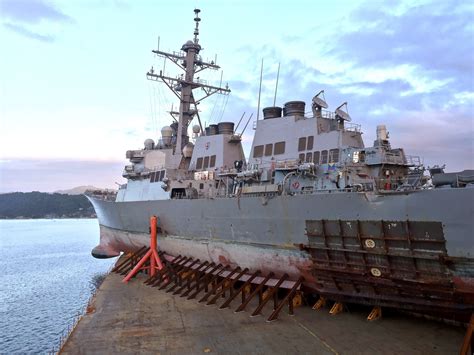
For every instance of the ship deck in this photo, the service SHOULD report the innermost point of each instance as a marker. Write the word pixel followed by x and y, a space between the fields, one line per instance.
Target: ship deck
pixel 135 318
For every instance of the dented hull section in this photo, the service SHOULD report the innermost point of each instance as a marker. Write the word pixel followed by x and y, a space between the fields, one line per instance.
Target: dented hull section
pixel 290 261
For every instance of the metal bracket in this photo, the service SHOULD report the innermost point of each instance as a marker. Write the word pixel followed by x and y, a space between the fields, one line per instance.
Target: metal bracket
pixel 375 314
pixel 337 308
pixel 320 303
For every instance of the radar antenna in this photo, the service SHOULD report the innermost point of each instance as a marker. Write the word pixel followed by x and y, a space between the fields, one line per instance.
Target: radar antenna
pixel 189 60
pixel 196 29
pixel 342 115
pixel 319 102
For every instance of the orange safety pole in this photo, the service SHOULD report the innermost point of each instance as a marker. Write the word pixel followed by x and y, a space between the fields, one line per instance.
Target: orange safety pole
pixel 152 253
pixel 469 338
pixel 138 266
pixel 155 260
pixel 153 223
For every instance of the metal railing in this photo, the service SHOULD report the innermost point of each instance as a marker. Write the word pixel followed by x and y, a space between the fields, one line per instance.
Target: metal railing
pixel 352 127
pixel 106 195
pixel 328 114
pixel 413 160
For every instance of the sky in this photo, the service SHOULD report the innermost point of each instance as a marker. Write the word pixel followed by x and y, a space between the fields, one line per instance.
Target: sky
pixel 74 95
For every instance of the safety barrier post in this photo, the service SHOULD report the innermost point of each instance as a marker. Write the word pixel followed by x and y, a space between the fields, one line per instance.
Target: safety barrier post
pixel 152 254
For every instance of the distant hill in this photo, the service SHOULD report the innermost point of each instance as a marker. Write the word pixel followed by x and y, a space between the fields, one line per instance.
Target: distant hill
pixel 44 205
pixel 78 190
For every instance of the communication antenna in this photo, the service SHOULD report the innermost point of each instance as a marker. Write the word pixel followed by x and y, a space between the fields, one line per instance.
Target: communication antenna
pixel 260 90
pixel 342 115
pixel 196 29
pixel 197 113
pixel 182 86
pixel 276 86
pixel 320 101
pixel 238 124
pixel 220 82
pixel 246 125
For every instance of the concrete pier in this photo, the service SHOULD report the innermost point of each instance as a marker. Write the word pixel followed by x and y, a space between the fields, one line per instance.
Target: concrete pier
pixel 134 318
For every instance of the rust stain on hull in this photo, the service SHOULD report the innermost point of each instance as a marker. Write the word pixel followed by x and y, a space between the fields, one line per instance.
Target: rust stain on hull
pixel 399 264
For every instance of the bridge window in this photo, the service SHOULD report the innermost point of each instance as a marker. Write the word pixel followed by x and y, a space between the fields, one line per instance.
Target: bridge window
pixel 310 143
pixel 212 163
pixel 199 164
pixel 324 157
pixel 268 150
pixel 206 163
pixel 258 151
pixel 302 144
pixel 334 155
pixel 316 158
pixel 279 148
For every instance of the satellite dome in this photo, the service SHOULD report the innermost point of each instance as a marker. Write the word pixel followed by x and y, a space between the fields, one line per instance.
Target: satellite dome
pixel 166 131
pixel 188 150
pixel 149 144
pixel 196 129
pixel 190 44
pixel 166 134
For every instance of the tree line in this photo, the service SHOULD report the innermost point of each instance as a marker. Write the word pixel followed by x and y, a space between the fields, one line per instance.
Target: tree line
pixel 44 205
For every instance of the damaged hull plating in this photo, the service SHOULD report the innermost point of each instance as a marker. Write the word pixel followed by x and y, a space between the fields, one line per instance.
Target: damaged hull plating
pixel 403 250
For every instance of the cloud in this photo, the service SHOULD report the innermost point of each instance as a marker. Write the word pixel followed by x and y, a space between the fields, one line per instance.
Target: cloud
pixel 410 68
pixel 434 38
pixel 437 137
pixel 29 18
pixel 27 33
pixel 31 11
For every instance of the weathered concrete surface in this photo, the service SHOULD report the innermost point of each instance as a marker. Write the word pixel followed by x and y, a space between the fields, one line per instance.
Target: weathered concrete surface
pixel 136 318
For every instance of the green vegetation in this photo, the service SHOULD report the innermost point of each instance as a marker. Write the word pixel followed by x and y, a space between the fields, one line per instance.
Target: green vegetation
pixel 44 205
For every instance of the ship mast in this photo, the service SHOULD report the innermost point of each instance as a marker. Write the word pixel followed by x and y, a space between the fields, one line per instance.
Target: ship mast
pixel 191 63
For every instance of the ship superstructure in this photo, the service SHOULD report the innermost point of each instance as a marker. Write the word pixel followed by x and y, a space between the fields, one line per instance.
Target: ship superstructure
pixel 362 224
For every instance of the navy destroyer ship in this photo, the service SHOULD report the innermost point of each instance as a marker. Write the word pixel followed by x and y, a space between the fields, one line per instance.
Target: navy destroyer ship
pixel 360 224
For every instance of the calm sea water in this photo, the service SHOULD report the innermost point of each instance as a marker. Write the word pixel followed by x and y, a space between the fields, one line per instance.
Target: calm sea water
pixel 47 275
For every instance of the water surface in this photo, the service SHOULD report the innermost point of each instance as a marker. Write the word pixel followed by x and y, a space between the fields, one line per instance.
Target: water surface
pixel 47 275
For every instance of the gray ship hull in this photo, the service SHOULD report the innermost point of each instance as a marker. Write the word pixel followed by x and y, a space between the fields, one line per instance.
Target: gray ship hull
pixel 412 250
